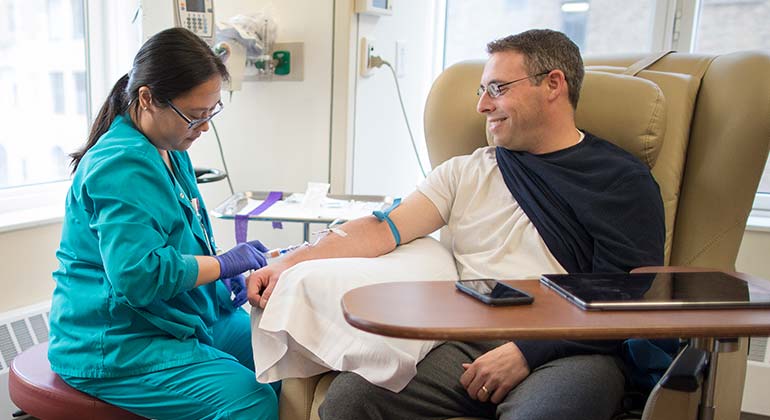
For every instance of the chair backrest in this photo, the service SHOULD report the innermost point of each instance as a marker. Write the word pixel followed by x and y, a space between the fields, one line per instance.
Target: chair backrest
pixel 701 122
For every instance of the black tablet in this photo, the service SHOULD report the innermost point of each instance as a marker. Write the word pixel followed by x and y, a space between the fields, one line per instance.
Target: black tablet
pixel 683 290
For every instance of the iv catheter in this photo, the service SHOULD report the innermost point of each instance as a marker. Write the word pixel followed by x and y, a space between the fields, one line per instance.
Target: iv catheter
pixel 277 252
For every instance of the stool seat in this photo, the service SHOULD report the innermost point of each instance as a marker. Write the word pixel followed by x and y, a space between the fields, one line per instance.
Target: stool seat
pixel 40 392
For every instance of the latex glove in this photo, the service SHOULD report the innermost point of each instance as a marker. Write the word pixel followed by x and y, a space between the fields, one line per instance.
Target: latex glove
pixel 241 258
pixel 237 285
pixel 498 371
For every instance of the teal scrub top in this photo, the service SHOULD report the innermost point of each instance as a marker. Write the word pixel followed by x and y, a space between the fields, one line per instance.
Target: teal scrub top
pixel 125 301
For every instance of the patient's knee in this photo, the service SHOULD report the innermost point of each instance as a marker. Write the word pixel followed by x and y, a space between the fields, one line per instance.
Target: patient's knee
pixel 350 397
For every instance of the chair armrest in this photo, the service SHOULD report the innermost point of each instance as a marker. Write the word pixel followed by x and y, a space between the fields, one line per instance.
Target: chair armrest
pixel 296 400
pixel 670 269
pixel 686 372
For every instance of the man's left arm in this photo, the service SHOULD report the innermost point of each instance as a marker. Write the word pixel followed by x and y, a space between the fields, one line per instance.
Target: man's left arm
pixel 628 226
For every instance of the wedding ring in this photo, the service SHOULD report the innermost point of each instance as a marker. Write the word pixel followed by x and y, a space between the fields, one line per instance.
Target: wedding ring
pixel 484 388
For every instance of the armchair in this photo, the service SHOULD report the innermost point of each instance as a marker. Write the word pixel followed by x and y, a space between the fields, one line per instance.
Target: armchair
pixel 701 122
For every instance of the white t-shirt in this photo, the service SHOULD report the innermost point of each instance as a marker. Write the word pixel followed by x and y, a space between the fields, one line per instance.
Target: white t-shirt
pixel 491 235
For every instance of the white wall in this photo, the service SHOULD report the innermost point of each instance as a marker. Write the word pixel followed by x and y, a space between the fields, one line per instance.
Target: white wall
pixel 752 257
pixel 275 135
pixel 383 158
pixel 26 262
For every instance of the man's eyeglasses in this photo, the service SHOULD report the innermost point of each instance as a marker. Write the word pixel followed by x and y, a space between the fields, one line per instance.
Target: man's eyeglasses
pixel 191 124
pixel 495 89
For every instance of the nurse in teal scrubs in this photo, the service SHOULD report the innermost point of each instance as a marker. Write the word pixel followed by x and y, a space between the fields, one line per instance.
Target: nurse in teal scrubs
pixel 142 315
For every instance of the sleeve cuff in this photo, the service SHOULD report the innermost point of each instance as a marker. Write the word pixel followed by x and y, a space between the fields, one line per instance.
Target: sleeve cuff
pixel 537 352
pixel 540 352
pixel 190 273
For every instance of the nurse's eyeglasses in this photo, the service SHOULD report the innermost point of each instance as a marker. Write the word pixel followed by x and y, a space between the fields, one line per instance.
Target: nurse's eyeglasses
pixel 495 90
pixel 195 123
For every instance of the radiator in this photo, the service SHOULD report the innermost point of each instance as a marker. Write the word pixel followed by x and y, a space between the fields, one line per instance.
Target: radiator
pixel 20 329
pixel 757 378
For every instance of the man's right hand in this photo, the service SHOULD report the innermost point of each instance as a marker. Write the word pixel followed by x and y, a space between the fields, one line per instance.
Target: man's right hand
pixel 260 284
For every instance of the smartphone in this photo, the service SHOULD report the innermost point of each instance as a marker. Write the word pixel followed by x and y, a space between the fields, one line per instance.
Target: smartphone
pixel 493 292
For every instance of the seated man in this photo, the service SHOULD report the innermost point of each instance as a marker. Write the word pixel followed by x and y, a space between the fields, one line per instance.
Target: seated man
pixel 547 199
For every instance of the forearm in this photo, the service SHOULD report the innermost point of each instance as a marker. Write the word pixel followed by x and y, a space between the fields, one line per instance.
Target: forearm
pixel 364 237
pixel 208 270
pixel 368 237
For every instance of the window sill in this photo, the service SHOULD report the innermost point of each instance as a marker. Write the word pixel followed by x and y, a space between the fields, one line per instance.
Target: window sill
pixel 32 206
pixel 759 221
pixel 29 218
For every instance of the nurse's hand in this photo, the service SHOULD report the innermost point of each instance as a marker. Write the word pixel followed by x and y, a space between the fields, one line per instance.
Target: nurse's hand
pixel 262 282
pixel 241 258
pixel 236 285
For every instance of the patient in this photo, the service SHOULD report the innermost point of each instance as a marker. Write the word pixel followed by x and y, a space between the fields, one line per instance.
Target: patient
pixel 548 199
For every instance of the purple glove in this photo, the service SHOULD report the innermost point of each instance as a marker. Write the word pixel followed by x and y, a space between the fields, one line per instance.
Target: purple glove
pixel 243 257
pixel 237 285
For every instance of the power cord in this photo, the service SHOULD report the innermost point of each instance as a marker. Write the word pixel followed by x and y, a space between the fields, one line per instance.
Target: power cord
pixel 376 61
pixel 222 155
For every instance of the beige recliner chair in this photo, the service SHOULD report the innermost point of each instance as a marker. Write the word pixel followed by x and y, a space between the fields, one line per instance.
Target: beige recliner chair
pixel 702 123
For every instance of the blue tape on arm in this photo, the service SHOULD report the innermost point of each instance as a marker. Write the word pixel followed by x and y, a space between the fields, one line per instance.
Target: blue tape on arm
pixel 385 215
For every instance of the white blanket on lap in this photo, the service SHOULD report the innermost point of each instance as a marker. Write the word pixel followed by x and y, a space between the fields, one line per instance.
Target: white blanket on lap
pixel 302 332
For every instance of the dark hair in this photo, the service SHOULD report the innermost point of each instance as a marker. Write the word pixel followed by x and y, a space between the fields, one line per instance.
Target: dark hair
pixel 546 50
pixel 170 63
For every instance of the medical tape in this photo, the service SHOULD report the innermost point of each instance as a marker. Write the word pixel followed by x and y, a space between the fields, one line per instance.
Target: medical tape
pixel 242 220
pixel 385 215
pixel 322 234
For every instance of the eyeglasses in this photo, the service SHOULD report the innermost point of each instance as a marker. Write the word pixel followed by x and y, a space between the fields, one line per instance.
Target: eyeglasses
pixel 494 89
pixel 200 121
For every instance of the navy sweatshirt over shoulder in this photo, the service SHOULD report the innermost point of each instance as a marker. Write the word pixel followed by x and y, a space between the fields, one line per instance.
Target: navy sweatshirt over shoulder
pixel 597 208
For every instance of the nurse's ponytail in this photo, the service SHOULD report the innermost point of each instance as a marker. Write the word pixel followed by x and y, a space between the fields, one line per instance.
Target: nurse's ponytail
pixel 113 106
pixel 170 63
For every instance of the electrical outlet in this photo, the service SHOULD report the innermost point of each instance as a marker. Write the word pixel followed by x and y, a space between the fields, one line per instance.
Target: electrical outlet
pixel 367 51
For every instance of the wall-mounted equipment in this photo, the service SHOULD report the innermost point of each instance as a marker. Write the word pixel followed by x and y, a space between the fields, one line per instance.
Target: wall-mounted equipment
pixel 197 16
pixel 254 54
pixel 374 7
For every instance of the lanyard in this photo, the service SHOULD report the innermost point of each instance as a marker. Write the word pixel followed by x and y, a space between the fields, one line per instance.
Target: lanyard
pixel 196 207
pixel 194 203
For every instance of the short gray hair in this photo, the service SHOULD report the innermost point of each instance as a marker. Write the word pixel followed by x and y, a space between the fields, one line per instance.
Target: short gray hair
pixel 545 50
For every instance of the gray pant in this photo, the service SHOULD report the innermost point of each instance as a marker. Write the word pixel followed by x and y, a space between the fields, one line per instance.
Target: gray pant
pixel 578 387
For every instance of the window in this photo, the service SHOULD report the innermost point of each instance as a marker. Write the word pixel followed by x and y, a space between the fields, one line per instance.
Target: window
pixel 58 15
pixel 734 25
pixel 80 86
pixel 7 21
pixel 44 90
pixel 596 26
pixel 57 91
pixel 78 21
pixel 3 166
pixel 34 73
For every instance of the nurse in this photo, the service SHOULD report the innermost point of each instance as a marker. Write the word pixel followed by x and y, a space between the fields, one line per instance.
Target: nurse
pixel 141 315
